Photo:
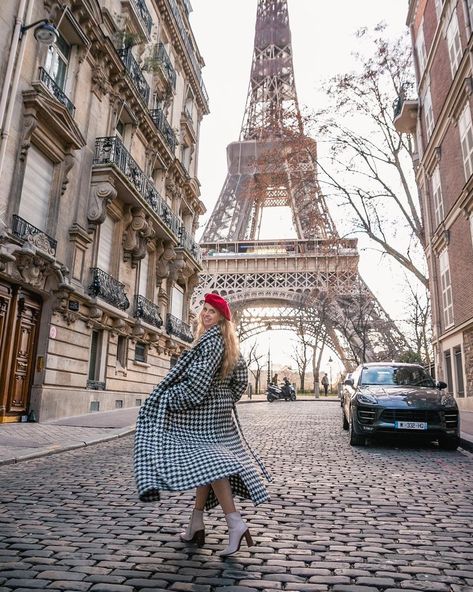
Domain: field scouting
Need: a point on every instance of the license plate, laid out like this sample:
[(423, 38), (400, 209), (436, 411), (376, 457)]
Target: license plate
[(411, 425)]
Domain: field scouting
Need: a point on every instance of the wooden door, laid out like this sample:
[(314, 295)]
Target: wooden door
[(19, 322)]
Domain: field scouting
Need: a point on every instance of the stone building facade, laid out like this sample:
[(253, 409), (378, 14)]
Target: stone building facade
[(99, 201), (441, 120)]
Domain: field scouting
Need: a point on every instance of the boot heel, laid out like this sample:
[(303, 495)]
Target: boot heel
[(199, 538), (248, 539)]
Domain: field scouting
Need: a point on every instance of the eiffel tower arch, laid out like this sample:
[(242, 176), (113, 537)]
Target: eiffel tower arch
[(310, 279)]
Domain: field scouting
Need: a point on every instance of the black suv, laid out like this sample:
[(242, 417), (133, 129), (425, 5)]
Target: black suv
[(398, 399)]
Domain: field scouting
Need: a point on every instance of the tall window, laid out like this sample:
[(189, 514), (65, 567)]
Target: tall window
[(420, 49), (57, 61), (466, 139), (437, 195), (96, 374), (428, 113), (454, 43), (36, 191), (143, 284), (105, 254), (446, 284), (457, 352), (177, 304)]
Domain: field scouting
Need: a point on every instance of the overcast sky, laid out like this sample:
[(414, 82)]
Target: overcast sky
[(323, 41)]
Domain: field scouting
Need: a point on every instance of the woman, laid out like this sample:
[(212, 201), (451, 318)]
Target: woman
[(186, 435)]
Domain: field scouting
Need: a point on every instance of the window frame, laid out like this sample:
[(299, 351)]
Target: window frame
[(428, 113), (446, 289), (437, 196), (454, 45), (421, 50), (465, 129)]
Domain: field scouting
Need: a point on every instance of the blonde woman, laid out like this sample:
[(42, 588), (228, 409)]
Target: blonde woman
[(187, 436)]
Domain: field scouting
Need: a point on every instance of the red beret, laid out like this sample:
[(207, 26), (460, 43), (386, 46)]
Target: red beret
[(219, 304)]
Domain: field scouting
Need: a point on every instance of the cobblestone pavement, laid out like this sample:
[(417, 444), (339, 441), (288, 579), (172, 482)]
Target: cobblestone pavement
[(341, 518)]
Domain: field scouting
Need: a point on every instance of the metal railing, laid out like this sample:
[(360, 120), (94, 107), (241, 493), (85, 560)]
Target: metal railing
[(148, 311), (188, 45), (162, 58), (320, 247), (36, 237), (175, 326), (56, 91), (187, 242), (134, 73), (110, 150), (144, 14), (160, 121), (108, 288)]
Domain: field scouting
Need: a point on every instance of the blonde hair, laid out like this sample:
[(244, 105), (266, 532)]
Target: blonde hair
[(231, 344)]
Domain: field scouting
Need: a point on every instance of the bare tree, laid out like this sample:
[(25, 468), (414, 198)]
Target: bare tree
[(255, 366), (300, 355), (370, 167), (419, 327)]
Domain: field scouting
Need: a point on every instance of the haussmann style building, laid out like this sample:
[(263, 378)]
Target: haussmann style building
[(100, 108), (441, 120)]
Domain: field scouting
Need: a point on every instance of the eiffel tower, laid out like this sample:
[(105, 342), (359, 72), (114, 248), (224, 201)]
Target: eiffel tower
[(299, 283)]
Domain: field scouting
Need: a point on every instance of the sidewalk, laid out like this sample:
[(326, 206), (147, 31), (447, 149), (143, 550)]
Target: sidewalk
[(24, 441)]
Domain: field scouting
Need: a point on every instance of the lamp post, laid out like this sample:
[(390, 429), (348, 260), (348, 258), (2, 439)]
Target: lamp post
[(269, 328), (330, 361)]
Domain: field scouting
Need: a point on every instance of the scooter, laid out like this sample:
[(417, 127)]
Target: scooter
[(286, 392)]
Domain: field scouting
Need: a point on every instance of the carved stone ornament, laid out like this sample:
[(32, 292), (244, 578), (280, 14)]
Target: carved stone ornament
[(30, 122), (163, 262), (138, 231), (100, 81), (32, 268), (101, 195), (177, 268), (66, 169)]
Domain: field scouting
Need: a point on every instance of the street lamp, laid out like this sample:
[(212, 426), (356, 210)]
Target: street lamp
[(45, 32), (330, 361), (269, 328)]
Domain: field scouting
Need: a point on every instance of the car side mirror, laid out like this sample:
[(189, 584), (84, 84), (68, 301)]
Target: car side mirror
[(441, 385), (349, 382)]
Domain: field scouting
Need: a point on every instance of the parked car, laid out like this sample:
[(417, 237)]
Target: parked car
[(395, 399)]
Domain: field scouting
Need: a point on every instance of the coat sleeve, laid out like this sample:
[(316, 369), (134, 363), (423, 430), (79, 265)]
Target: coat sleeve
[(239, 379), (195, 386)]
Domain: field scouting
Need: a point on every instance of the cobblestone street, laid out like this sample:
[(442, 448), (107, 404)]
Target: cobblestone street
[(343, 519)]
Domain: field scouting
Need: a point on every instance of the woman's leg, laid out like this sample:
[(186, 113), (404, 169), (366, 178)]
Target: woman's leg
[(201, 494), (223, 492)]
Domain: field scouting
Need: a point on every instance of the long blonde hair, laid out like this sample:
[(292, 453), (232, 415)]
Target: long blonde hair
[(231, 344)]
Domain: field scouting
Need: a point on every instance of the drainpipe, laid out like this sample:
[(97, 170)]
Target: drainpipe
[(13, 70)]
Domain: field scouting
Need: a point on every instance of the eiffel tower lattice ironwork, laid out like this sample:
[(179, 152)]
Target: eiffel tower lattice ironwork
[(312, 279)]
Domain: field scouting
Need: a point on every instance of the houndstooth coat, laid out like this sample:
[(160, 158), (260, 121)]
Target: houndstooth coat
[(186, 433)]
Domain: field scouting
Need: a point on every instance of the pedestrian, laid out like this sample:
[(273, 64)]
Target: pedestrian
[(275, 379), (188, 433), (325, 383)]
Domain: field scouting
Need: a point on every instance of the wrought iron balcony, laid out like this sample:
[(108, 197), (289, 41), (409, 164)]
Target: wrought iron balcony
[(175, 326), (162, 58), (108, 288), (188, 45), (188, 244), (56, 91), (144, 14), (135, 73), (148, 311), (111, 151), (160, 121), (405, 114), (36, 237)]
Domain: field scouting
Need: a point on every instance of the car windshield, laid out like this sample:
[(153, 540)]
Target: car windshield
[(396, 376)]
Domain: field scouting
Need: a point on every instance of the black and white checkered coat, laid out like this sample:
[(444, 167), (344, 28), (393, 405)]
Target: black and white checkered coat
[(186, 434)]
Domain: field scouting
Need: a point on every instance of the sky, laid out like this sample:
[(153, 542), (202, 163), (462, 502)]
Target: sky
[(323, 42)]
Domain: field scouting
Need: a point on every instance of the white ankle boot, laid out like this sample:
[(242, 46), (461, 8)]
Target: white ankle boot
[(195, 532), (237, 529)]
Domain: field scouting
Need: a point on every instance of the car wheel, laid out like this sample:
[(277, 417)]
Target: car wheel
[(355, 439), (345, 424), (449, 443)]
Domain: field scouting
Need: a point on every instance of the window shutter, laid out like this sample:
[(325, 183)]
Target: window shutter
[(104, 258), (36, 191), (144, 267)]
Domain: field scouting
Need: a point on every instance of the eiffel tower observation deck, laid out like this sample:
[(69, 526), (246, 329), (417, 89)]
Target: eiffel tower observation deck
[(300, 283)]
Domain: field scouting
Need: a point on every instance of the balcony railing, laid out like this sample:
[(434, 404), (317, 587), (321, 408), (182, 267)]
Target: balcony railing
[(144, 14), (56, 91), (175, 326), (108, 288), (162, 58), (188, 45), (135, 73), (148, 311), (36, 237), (111, 151), (188, 244), (160, 121)]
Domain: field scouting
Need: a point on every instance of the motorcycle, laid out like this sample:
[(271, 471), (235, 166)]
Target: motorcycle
[(286, 392)]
